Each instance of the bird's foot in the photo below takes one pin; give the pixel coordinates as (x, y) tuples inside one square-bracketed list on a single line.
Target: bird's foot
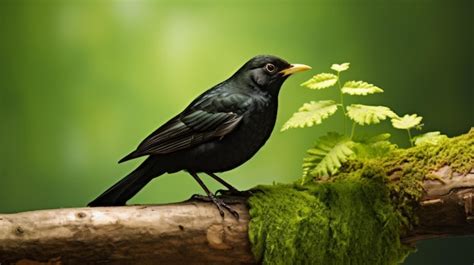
[(220, 204)]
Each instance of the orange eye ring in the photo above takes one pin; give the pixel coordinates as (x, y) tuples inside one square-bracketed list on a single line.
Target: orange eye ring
[(270, 67)]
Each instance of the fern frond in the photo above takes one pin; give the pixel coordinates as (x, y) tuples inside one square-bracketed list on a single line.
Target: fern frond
[(360, 88), (432, 138), (327, 156), (320, 81), (340, 67), (373, 147), (407, 122), (364, 139), (310, 114), (364, 114)]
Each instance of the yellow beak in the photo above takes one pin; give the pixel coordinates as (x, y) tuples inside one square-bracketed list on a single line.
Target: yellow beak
[(295, 68)]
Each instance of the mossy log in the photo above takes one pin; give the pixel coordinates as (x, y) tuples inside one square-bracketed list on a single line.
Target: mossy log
[(193, 232)]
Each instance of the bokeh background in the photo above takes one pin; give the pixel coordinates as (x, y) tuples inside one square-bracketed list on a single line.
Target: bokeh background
[(83, 82)]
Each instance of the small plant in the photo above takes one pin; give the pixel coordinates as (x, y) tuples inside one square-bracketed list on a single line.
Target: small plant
[(408, 122), (333, 149)]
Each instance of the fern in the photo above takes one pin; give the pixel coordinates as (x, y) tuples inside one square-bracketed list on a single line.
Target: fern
[(432, 138), (321, 81), (332, 150), (327, 156), (373, 147), (407, 122), (340, 67), (363, 114), (310, 114), (360, 88)]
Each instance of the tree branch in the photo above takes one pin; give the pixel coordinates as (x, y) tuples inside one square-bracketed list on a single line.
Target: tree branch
[(446, 208), (184, 233), (192, 232)]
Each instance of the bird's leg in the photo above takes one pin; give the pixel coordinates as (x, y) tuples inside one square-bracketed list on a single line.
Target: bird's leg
[(232, 191), (218, 202), (231, 188)]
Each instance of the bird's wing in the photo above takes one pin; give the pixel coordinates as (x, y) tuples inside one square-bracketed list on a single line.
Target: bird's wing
[(204, 120), (188, 130)]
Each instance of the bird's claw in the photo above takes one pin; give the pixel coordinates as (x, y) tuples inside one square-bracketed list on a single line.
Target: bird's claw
[(220, 204)]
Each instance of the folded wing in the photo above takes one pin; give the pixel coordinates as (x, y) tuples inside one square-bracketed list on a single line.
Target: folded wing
[(187, 130)]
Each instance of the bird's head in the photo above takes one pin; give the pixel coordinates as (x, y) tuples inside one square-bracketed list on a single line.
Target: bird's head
[(267, 72)]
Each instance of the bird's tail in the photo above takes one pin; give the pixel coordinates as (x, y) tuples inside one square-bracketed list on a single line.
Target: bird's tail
[(127, 187)]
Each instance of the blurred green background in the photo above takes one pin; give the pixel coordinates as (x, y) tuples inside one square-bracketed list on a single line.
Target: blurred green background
[(83, 82)]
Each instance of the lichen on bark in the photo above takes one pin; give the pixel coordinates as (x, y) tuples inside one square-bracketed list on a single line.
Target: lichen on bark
[(355, 217)]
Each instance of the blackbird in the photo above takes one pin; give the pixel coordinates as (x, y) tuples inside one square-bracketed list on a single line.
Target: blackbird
[(220, 130)]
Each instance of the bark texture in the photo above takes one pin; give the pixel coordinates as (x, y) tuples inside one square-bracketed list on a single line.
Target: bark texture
[(192, 232), (185, 233), (447, 207)]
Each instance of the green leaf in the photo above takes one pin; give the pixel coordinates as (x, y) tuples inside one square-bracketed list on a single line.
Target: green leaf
[(310, 114), (360, 88), (432, 138), (364, 114), (373, 139), (373, 147), (340, 67), (327, 156), (320, 81), (407, 122)]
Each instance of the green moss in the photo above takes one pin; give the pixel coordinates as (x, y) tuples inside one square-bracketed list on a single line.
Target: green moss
[(348, 221), (358, 216), (418, 163)]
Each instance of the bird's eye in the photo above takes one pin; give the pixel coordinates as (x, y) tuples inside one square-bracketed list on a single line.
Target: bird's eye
[(270, 67)]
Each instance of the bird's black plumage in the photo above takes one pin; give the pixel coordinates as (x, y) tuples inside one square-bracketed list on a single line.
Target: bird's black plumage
[(220, 130)]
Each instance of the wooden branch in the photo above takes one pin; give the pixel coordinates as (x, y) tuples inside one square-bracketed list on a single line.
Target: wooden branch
[(190, 232), (447, 207), (184, 233)]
